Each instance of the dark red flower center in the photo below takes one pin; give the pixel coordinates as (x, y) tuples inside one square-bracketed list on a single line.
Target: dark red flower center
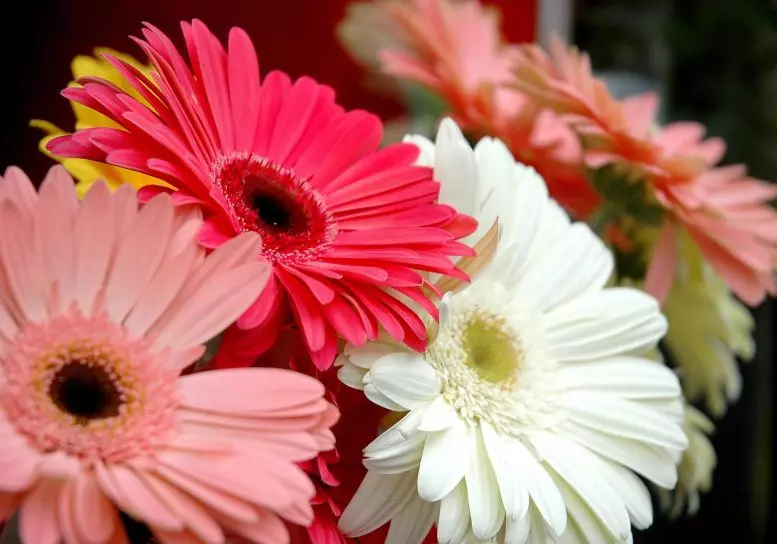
[(288, 213)]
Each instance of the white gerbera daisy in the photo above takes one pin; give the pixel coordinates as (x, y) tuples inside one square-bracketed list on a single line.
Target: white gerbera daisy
[(531, 411)]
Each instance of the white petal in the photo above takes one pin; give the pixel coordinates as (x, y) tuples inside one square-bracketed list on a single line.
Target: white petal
[(628, 377), (372, 393), (576, 263), (512, 485), (604, 324), (517, 531), (445, 459), (652, 462), (438, 415), (352, 375), (584, 526), (405, 378), (583, 472), (635, 496), (485, 504), (378, 499), (413, 522), (426, 157), (398, 449), (624, 418), (454, 516), (364, 356), (456, 170)]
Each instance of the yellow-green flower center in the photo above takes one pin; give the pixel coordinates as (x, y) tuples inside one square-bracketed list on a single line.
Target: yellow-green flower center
[(490, 349)]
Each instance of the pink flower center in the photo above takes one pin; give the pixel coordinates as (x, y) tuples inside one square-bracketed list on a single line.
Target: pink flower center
[(285, 210), (83, 386)]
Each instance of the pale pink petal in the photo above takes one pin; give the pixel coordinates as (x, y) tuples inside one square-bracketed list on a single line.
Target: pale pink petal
[(17, 186), (37, 516), (249, 390), (94, 244), (663, 261), (133, 496), (93, 513), (139, 256), (57, 207), (23, 267)]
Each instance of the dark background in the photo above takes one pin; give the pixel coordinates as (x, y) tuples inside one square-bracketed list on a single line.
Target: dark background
[(715, 62)]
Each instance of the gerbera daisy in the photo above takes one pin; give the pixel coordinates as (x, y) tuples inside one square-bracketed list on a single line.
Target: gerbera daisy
[(455, 49), (345, 227), (531, 411), (724, 210), (102, 305), (85, 68)]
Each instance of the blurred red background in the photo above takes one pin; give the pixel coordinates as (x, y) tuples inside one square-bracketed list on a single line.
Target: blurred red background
[(297, 36)]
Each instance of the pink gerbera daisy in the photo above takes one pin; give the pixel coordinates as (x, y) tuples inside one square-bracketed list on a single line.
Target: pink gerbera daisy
[(102, 305), (725, 211), (345, 227)]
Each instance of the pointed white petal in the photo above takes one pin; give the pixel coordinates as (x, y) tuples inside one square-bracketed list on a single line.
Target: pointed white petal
[(583, 471), (517, 531), (512, 485), (352, 375), (413, 522), (438, 415), (574, 264), (399, 448), (378, 499), (584, 526), (626, 419), (405, 378), (372, 393), (628, 377), (542, 490), (445, 459), (634, 493), (426, 157), (485, 504), (651, 462), (604, 324), (453, 524)]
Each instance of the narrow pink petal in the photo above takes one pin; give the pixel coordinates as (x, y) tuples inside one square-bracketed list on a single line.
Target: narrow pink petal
[(57, 206), (306, 310), (161, 290), (94, 244), (23, 262), (663, 262), (268, 305), (136, 498), (139, 256), (18, 187), (216, 499), (211, 57), (93, 513), (244, 90), (211, 235), (193, 513), (275, 87), (65, 509), (293, 118), (248, 390), (268, 530), (37, 519), (215, 306)]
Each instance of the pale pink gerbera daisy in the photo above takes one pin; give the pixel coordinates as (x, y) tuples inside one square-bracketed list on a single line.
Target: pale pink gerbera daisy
[(725, 211), (102, 305), (345, 227)]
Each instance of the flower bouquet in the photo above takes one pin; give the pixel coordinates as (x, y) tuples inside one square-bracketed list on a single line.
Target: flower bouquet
[(254, 318)]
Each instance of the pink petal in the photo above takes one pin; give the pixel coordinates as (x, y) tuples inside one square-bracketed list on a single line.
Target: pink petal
[(244, 90), (93, 513), (248, 390), (94, 244), (661, 271), (36, 520), (133, 496), (139, 256)]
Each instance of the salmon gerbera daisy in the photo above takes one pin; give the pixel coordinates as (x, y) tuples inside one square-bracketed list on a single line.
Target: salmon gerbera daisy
[(102, 304), (348, 229)]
